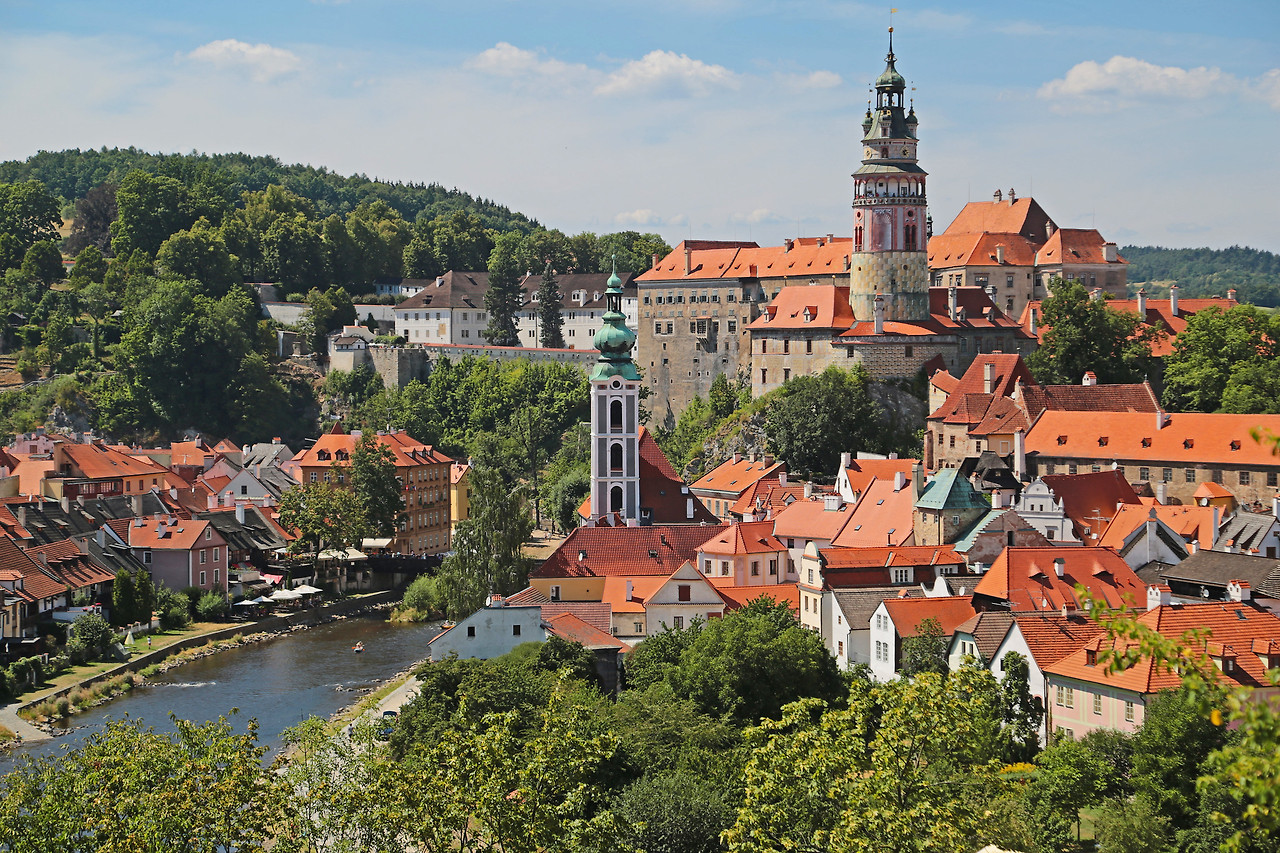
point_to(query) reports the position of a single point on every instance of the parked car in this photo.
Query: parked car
(387, 725)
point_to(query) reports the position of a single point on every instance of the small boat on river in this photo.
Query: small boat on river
(358, 647)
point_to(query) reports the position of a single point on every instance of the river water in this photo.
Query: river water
(280, 682)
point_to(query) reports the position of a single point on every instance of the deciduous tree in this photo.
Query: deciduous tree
(1084, 334)
(816, 418)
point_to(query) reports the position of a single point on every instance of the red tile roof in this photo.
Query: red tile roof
(714, 259)
(737, 597)
(99, 462)
(1090, 500)
(408, 451)
(969, 400)
(1027, 579)
(849, 568)
(883, 515)
(626, 551)
(1232, 628)
(810, 519)
(744, 537)
(569, 627)
(1132, 397)
(1052, 636)
(1187, 438)
(36, 583)
(950, 611)
(1075, 246)
(815, 306)
(736, 475)
(167, 533)
(1009, 216)
(960, 250)
(1192, 523)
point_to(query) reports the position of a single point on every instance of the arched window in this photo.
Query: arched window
(615, 499)
(857, 239)
(615, 457)
(615, 416)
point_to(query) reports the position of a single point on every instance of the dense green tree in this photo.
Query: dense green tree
(461, 241)
(90, 267)
(893, 772)
(28, 215)
(586, 252)
(679, 813)
(1021, 711)
(502, 299)
(550, 311)
(488, 552)
(91, 634)
(43, 262)
(926, 650)
(131, 788)
(374, 480)
(1206, 272)
(753, 661)
(150, 209)
(1132, 826)
(420, 259)
(1083, 334)
(1071, 777)
(199, 254)
(292, 254)
(816, 418)
(542, 249)
(1225, 361)
(656, 660)
(355, 387)
(379, 236)
(1169, 749)
(634, 250)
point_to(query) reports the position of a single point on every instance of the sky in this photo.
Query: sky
(1155, 121)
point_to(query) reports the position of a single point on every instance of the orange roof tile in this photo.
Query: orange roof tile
(1075, 246)
(711, 260)
(1192, 523)
(810, 519)
(908, 613)
(569, 627)
(959, 250)
(626, 551)
(640, 588)
(1187, 438)
(1209, 489)
(744, 537)
(1052, 636)
(1009, 216)
(1008, 369)
(736, 475)
(168, 533)
(98, 462)
(1028, 580)
(882, 516)
(737, 597)
(815, 306)
(1232, 627)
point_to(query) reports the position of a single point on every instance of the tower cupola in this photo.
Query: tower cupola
(614, 340)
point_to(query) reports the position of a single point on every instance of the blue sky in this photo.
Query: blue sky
(1155, 122)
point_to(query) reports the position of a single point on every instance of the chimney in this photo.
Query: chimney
(135, 503)
(66, 504)
(101, 537)
(737, 457)
(899, 480)
(1238, 590)
(1231, 294)
(1020, 455)
(988, 377)
(1193, 546)
(275, 439)
(782, 478)
(878, 322)
(1095, 295)
(1090, 379)
(846, 459)
(1162, 420)
(787, 243)
(1275, 505)
(1031, 321)
(240, 513)
(1012, 196)
(1158, 595)
(917, 480)
(212, 501)
(1059, 566)
(997, 195)
(808, 490)
(688, 259)
(630, 590)
(1142, 302)
(1000, 254)
(1173, 299)
(22, 516)
(656, 259)
(439, 281)
(1109, 252)
(953, 300)
(831, 503)
(1162, 492)
(161, 529)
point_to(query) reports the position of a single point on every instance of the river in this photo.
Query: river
(279, 682)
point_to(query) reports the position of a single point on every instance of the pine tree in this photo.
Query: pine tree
(502, 300)
(550, 315)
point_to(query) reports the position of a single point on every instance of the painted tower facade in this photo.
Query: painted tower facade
(615, 415)
(889, 209)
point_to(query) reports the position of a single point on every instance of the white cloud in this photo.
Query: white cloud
(663, 72)
(812, 80)
(641, 218)
(1267, 88)
(262, 60)
(1127, 76)
(507, 60)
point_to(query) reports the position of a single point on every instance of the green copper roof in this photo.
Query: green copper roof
(949, 490)
(614, 340)
(890, 77)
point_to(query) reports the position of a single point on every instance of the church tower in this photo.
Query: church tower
(615, 414)
(889, 209)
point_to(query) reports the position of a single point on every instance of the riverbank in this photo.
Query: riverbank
(185, 650)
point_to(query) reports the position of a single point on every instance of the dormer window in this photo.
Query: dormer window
(1146, 442)
(1062, 439)
(1188, 443)
(1235, 445)
(323, 455)
(1102, 441)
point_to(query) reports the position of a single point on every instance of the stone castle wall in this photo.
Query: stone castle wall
(902, 278)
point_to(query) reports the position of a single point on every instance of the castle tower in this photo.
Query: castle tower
(615, 414)
(889, 209)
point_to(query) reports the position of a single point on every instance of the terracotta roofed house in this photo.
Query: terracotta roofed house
(179, 552)
(722, 487)
(897, 619)
(1044, 579)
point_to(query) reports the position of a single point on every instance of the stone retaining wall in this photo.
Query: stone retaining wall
(271, 623)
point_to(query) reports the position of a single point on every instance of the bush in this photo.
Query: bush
(212, 606)
(174, 609)
(423, 596)
(295, 297)
(92, 634)
(8, 690)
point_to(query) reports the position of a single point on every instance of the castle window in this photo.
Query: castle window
(808, 346)
(615, 499)
(615, 458)
(615, 416)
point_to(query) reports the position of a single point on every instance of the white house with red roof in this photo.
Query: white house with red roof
(746, 554)
(898, 619)
(1242, 642)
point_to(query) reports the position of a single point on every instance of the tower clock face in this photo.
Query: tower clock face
(867, 153)
(906, 152)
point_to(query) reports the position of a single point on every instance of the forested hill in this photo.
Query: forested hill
(1253, 273)
(72, 174)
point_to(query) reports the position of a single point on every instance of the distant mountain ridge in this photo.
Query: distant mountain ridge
(1254, 274)
(72, 173)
